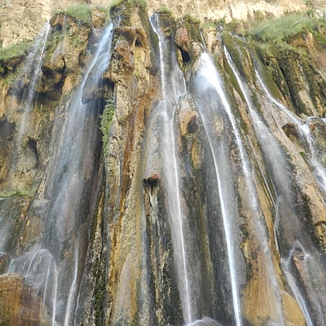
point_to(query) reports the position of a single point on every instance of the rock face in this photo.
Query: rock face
(20, 304)
(156, 172)
(24, 20)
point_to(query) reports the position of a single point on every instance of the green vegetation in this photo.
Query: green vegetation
(14, 51)
(81, 13)
(106, 121)
(16, 193)
(209, 23)
(187, 17)
(53, 40)
(166, 10)
(129, 3)
(106, 10)
(285, 28)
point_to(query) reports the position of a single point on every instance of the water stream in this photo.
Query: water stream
(288, 229)
(65, 200)
(260, 229)
(173, 88)
(305, 134)
(32, 71)
(210, 79)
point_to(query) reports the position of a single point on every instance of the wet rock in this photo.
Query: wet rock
(7, 130)
(19, 303)
(291, 129)
(188, 121)
(4, 262)
(98, 18)
(182, 38)
(124, 59)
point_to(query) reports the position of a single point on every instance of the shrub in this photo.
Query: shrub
(81, 13)
(284, 28)
(16, 50)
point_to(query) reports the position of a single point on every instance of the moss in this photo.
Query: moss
(106, 121)
(192, 25)
(187, 17)
(16, 193)
(233, 49)
(81, 13)
(16, 50)
(52, 42)
(209, 23)
(233, 79)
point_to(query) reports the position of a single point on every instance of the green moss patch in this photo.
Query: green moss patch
(14, 51)
(106, 121)
(80, 13)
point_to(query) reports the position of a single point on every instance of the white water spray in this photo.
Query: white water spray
(33, 70)
(286, 262)
(208, 71)
(284, 201)
(171, 171)
(305, 133)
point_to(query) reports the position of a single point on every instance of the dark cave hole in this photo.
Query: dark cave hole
(185, 55)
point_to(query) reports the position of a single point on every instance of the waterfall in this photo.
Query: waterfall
(166, 183)
(30, 74)
(305, 133)
(32, 71)
(260, 229)
(65, 199)
(172, 90)
(209, 74)
(287, 226)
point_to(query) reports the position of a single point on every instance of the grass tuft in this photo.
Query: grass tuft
(285, 28)
(81, 13)
(14, 51)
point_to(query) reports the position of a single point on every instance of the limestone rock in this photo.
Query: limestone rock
(19, 305)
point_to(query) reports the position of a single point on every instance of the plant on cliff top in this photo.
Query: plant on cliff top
(281, 29)
(138, 3)
(79, 12)
(16, 50)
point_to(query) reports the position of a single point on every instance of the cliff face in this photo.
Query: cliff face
(23, 20)
(155, 171)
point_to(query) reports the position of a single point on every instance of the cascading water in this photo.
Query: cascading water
(32, 70)
(55, 264)
(305, 133)
(172, 91)
(197, 208)
(257, 214)
(30, 74)
(289, 232)
(210, 79)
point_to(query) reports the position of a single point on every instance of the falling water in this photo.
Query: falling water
(305, 133)
(285, 214)
(54, 264)
(169, 101)
(72, 292)
(32, 72)
(254, 202)
(286, 263)
(208, 72)
(40, 269)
